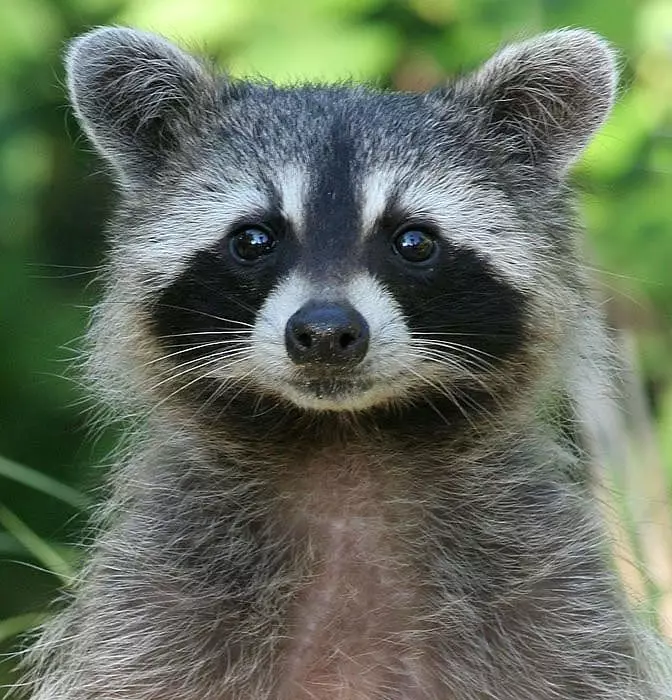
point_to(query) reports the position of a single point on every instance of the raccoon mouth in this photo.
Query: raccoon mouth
(330, 389)
(327, 386)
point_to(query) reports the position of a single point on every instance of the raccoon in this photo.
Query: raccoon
(361, 364)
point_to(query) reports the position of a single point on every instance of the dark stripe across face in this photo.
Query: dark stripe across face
(215, 293)
(457, 296)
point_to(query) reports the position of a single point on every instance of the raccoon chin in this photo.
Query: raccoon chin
(337, 395)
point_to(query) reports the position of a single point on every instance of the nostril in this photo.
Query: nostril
(304, 339)
(346, 340)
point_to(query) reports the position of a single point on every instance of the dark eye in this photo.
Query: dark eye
(415, 245)
(250, 244)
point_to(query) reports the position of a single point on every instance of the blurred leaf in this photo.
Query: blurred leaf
(41, 482)
(39, 548)
(9, 545)
(13, 626)
(655, 24)
(322, 52)
(616, 146)
(27, 28)
(198, 20)
(665, 432)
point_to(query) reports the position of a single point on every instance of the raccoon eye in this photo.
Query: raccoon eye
(414, 245)
(250, 244)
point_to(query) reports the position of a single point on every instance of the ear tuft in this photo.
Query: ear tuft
(542, 100)
(138, 97)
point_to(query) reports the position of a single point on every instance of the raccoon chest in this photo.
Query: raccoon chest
(353, 631)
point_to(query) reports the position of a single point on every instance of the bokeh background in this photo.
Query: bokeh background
(55, 197)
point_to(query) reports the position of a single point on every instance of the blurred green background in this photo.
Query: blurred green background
(55, 197)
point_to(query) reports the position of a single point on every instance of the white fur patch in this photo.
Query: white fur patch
(293, 185)
(376, 190)
(466, 213)
(388, 329)
(268, 337)
(191, 222)
(194, 221)
(469, 215)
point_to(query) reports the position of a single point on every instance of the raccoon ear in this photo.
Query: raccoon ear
(542, 100)
(138, 97)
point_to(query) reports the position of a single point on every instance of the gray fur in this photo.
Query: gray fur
(494, 568)
(572, 79)
(136, 97)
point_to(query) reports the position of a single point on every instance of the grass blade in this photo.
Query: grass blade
(41, 482)
(39, 548)
(12, 626)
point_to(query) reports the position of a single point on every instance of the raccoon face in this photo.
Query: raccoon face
(335, 246)
(331, 311)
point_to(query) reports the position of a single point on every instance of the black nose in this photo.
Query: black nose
(328, 333)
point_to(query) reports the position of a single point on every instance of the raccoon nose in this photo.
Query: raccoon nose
(329, 333)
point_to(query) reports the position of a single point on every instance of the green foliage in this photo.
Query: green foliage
(19, 539)
(54, 201)
(41, 482)
(40, 549)
(13, 626)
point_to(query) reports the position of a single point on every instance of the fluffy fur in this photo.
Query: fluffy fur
(420, 527)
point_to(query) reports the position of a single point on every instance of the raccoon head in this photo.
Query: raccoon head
(337, 246)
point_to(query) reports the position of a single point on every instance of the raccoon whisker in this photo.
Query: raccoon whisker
(204, 362)
(201, 348)
(454, 348)
(273, 402)
(477, 405)
(219, 390)
(437, 358)
(212, 358)
(240, 332)
(463, 324)
(242, 388)
(450, 345)
(242, 304)
(232, 343)
(441, 388)
(219, 354)
(454, 397)
(228, 384)
(451, 350)
(431, 404)
(190, 383)
(207, 314)
(463, 361)
(427, 333)
(216, 291)
(471, 375)
(257, 405)
(418, 338)
(453, 361)
(196, 348)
